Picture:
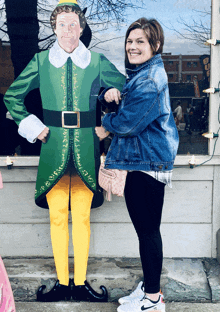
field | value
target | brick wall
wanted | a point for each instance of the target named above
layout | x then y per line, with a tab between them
6	67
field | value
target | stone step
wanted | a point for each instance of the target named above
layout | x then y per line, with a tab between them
187	280
108	307
65	307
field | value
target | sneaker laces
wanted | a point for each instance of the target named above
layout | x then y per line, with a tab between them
137	291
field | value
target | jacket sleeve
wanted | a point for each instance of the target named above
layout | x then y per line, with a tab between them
29	125
139	108
110	77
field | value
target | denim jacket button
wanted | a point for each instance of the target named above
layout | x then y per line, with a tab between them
160	167
166	167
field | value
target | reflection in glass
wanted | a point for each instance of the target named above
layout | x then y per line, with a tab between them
186	26
188	76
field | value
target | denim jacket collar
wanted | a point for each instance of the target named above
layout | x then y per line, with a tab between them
154	60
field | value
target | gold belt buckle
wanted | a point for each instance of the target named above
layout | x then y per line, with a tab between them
67	126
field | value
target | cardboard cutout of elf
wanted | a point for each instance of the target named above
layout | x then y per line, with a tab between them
69	77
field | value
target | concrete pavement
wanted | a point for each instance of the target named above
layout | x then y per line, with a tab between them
187	284
109	307
185	280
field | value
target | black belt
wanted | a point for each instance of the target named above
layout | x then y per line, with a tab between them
69	119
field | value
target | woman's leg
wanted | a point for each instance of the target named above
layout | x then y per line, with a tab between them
144	198
81	199
58	201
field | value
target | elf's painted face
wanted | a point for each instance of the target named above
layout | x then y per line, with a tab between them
68	31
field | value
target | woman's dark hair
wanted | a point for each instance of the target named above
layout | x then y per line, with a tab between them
154	34
67	9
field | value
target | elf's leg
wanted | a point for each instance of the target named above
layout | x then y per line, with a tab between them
58	201
81	199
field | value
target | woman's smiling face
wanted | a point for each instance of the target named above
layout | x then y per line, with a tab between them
138	48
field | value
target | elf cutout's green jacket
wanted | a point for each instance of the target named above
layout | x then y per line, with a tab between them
64	86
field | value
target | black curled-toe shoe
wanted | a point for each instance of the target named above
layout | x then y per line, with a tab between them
86	293
57	293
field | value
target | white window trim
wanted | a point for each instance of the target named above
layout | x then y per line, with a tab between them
214	79
181	160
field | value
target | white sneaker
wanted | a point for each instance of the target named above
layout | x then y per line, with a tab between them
138	293
144	304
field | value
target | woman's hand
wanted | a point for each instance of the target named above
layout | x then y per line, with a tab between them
101	133
113	95
43	135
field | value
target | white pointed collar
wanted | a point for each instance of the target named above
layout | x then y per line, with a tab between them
81	56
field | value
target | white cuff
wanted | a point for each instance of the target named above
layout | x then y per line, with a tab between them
30	127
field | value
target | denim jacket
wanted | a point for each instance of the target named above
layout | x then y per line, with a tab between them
145	134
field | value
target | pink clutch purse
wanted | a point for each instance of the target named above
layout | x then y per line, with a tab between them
6	295
112	181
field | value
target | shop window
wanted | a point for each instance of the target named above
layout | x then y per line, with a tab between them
188	78
182	54
195	64
189	64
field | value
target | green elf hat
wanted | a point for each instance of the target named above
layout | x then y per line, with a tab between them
68	2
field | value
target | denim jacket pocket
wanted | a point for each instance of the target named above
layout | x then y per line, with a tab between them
132	150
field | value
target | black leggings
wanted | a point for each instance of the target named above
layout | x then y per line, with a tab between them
144	199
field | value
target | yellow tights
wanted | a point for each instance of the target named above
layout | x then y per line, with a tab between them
70	187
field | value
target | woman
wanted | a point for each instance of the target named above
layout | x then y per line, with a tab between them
145	143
